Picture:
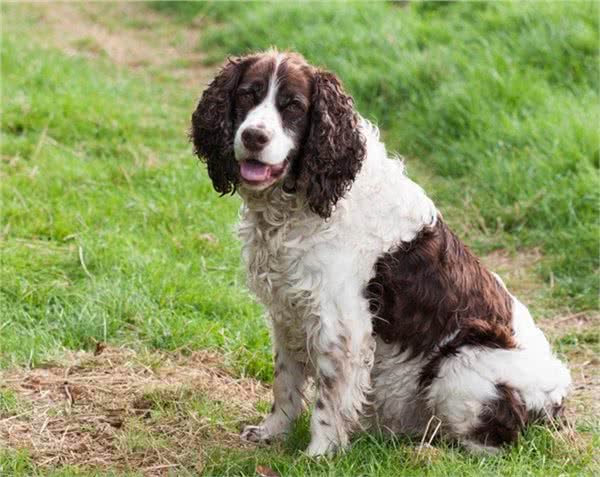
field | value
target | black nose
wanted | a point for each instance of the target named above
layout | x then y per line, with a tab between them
255	139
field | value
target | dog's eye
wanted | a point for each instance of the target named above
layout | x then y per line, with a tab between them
294	107
246	98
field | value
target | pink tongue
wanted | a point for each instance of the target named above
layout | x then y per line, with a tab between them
255	171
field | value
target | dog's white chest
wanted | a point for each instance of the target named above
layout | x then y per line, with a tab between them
279	274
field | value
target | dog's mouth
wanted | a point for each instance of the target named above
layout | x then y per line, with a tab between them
258	173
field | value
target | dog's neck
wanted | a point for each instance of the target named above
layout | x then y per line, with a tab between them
274	206
278	219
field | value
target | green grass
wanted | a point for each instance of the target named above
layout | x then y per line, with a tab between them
10	404
539	454
18	463
110	230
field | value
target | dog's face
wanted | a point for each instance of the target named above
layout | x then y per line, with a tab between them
271	118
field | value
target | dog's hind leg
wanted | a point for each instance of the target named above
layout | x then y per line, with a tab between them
485	397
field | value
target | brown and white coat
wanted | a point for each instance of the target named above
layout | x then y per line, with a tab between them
368	291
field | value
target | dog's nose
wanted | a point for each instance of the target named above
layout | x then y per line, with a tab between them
255	138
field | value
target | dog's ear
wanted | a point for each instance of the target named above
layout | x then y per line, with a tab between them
334	148
212	125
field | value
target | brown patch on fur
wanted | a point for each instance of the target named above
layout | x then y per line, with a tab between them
501	419
334	150
295	78
433	287
327	381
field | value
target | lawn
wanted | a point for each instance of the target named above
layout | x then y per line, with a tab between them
119	260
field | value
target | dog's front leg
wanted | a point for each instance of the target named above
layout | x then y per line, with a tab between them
343	353
288	398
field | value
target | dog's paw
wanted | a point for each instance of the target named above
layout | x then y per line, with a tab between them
480	449
256	434
320	449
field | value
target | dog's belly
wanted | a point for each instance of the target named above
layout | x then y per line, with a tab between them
399	408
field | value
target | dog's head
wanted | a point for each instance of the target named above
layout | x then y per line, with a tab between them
272	120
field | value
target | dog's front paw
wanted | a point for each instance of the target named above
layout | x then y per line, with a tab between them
321	448
256	434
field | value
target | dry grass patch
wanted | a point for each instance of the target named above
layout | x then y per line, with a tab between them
578	335
585	369
569	323
115	409
518	271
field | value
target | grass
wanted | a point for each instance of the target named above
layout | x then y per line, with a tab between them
110	230
378	456
10	405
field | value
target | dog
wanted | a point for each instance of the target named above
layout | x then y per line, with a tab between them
369	292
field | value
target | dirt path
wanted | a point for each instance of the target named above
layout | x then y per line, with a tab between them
128	33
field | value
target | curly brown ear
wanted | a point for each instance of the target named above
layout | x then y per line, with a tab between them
212	126
334	149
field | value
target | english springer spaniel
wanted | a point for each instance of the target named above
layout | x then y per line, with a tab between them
368	290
